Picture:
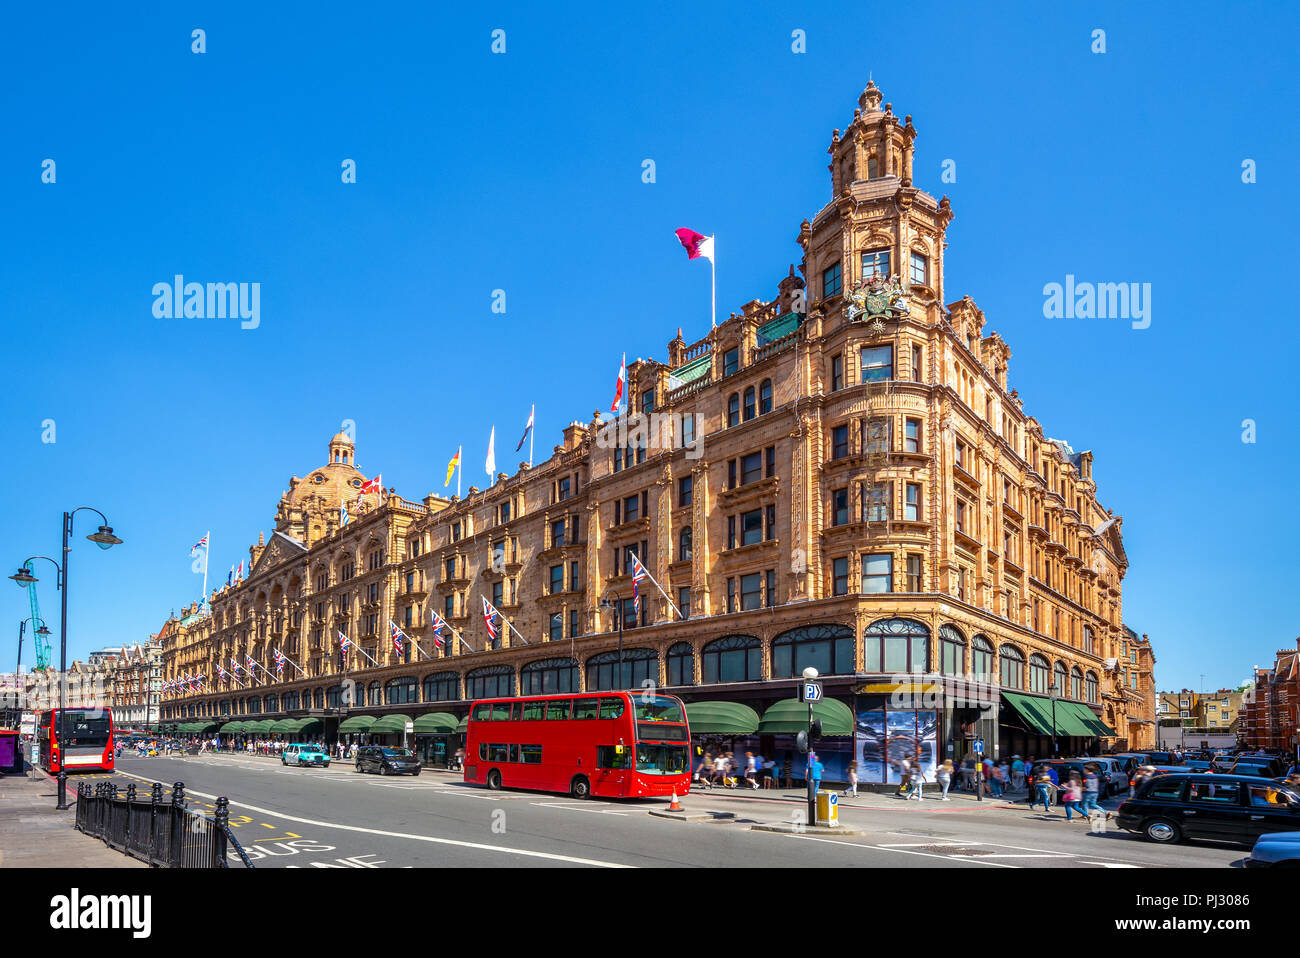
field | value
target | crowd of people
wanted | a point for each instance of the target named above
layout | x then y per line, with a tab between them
723	770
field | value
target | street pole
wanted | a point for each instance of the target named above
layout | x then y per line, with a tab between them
1056	752
621	683
63	670
812	757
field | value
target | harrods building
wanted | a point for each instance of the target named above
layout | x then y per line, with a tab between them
838	477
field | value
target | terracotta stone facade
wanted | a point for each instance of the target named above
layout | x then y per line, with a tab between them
844	455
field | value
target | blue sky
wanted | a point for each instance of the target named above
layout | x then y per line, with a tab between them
522	172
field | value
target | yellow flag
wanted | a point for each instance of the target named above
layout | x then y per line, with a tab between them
451	468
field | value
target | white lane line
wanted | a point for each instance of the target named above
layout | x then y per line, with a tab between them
415	838
1025	855
929	844
905	851
1110	864
577	808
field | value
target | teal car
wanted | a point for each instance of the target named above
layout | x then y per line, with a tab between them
305	755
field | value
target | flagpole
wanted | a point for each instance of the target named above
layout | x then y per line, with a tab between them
661	591
459	468
509	624
532	433
292	662
713	270
207	552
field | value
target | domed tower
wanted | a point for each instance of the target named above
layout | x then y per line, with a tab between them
309	511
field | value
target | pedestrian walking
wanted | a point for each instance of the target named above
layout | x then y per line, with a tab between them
1072	796
815	769
904	775
853	780
1091	790
944	777
751	770
787	772
720	769
918	782
1042	791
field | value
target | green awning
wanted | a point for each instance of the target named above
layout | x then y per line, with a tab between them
1088	719
232	728
357	723
791	716
1031	711
390	725
1036	712
260	727
463	725
436	723
721	718
203	727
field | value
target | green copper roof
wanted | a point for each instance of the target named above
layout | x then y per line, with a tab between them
693	370
774	330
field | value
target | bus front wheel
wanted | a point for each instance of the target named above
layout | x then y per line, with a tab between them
580	787
494	780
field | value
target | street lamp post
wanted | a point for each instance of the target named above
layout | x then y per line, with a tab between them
617	606
1051	690
105	539
810	675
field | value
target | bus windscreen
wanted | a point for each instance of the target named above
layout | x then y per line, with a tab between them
87	727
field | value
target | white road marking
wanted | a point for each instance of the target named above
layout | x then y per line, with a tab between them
418	838
905	851
584	807
1111	864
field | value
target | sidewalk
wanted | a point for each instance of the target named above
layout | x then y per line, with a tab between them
963	801
35	834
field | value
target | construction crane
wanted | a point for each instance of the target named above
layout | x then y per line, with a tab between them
42	647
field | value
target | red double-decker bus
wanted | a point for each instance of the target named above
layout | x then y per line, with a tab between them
76	739
610	744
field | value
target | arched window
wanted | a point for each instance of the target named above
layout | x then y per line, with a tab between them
401	691
897	645
334	697
373	695
684	544
1091	684
871	168
1039	669
441	687
735	658
255	705
492	681
952	651
1012	667
765	397
751	410
827	648
1076	684
981	658
271	703
548	676
681	664
1061	677
639	666
733	409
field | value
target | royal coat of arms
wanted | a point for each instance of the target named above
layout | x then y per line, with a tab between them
874	299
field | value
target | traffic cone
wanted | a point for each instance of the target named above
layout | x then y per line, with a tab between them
675	805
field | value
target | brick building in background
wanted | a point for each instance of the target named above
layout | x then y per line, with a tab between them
1271	712
840	477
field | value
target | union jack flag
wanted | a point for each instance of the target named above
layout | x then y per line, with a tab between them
225	677
201	544
397	636
234	666
252	664
279	662
345	644
489	618
437	630
638	573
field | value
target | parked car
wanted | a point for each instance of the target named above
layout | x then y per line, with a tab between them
1258	766
387	760
1114	776
1131	761
1275	850
308	755
1197	805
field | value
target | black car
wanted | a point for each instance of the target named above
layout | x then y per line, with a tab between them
387	760
1226	808
1258	766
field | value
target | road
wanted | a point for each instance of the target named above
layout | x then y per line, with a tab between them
336	818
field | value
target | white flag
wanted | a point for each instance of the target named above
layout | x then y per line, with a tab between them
492	456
